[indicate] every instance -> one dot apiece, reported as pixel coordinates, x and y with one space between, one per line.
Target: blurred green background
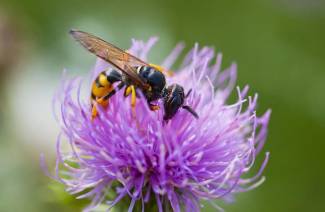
279 46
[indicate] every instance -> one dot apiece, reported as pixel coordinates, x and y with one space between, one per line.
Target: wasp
132 74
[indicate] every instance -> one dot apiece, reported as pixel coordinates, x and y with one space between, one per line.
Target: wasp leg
109 95
189 109
133 99
162 70
94 111
153 107
131 90
127 91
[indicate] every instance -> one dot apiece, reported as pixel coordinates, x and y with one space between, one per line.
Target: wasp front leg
131 90
153 107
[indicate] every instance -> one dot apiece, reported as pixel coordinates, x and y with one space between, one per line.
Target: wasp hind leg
94 111
95 103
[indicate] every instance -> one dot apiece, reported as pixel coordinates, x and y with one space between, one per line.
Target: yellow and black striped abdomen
101 86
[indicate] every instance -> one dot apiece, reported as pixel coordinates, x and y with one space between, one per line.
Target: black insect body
135 74
174 99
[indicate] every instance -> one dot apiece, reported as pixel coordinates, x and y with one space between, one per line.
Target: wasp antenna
188 93
189 109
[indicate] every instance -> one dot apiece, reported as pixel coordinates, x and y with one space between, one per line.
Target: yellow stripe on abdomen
101 86
102 91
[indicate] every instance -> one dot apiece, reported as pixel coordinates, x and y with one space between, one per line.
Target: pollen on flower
152 162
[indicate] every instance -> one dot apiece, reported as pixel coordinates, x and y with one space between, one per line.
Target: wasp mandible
133 74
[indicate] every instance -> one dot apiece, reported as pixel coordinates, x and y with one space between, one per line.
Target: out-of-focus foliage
278 45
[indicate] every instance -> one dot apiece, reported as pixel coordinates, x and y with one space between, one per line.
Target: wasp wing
122 60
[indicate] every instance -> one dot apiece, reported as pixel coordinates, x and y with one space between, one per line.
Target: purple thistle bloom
147 160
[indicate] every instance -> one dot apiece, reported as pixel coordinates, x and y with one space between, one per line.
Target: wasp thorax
154 78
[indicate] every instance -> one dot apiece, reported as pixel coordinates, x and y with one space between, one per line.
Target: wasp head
174 99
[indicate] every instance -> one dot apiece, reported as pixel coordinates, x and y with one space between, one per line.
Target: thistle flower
172 165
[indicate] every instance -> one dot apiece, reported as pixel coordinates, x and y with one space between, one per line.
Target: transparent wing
122 60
